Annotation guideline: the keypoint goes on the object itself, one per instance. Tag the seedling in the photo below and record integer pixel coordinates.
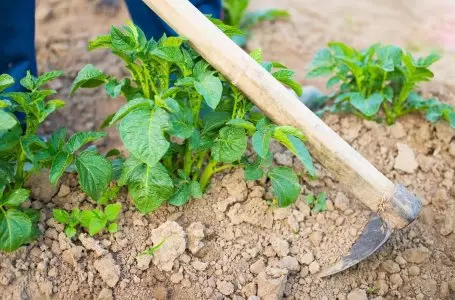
(23, 152)
(317, 203)
(235, 15)
(152, 250)
(94, 220)
(184, 122)
(378, 83)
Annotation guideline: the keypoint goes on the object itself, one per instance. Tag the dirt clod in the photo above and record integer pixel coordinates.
(173, 246)
(405, 160)
(357, 294)
(108, 270)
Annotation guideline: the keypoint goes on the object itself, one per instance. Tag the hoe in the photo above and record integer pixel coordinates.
(393, 206)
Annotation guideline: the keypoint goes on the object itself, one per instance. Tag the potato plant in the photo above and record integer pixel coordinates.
(235, 15)
(23, 152)
(183, 122)
(378, 83)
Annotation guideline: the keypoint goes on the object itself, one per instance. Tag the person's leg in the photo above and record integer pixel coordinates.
(17, 34)
(154, 27)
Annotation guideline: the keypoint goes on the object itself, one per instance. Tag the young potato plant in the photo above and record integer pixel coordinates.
(235, 15)
(94, 220)
(183, 122)
(23, 152)
(378, 83)
(317, 203)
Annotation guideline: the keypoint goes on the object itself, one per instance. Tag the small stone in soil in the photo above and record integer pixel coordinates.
(307, 258)
(257, 267)
(105, 294)
(195, 234)
(290, 263)
(270, 288)
(316, 238)
(416, 255)
(314, 267)
(341, 202)
(414, 271)
(405, 160)
(357, 294)
(390, 266)
(280, 246)
(108, 269)
(225, 287)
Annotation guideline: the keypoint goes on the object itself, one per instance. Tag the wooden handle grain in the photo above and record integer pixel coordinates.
(279, 104)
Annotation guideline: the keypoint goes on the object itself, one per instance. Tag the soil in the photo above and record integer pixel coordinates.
(231, 244)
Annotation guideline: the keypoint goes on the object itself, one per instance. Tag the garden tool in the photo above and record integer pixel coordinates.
(393, 205)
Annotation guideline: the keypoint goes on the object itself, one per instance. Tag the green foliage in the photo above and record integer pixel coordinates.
(378, 83)
(152, 250)
(23, 152)
(94, 220)
(235, 15)
(317, 203)
(183, 122)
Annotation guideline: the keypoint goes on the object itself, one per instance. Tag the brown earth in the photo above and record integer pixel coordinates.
(232, 244)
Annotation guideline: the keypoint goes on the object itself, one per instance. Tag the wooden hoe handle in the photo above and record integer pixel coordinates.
(392, 202)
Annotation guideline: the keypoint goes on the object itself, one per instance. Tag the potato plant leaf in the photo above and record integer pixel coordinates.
(88, 77)
(285, 185)
(210, 88)
(142, 134)
(95, 173)
(230, 144)
(15, 229)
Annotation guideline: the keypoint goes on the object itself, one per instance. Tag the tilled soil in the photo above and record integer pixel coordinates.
(232, 244)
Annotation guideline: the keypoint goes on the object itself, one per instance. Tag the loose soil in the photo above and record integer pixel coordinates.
(231, 244)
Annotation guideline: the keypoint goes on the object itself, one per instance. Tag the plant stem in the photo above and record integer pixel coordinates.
(187, 160)
(199, 163)
(207, 174)
(222, 168)
(167, 161)
(20, 170)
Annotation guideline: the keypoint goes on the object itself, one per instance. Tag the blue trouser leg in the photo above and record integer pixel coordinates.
(154, 27)
(17, 34)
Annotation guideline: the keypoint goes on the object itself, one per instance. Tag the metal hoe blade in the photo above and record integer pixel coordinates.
(374, 235)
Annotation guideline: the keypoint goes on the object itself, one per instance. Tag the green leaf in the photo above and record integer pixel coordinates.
(195, 189)
(86, 217)
(243, 124)
(112, 211)
(142, 134)
(114, 87)
(101, 41)
(257, 55)
(286, 77)
(61, 216)
(48, 76)
(181, 196)
(96, 225)
(28, 81)
(235, 11)
(320, 203)
(452, 119)
(182, 124)
(88, 77)
(61, 161)
(148, 186)
(153, 249)
(433, 114)
(112, 228)
(7, 120)
(368, 107)
(57, 139)
(130, 106)
(70, 232)
(252, 172)
(300, 150)
(210, 88)
(215, 120)
(261, 141)
(230, 144)
(15, 229)
(9, 140)
(122, 41)
(5, 82)
(285, 185)
(95, 173)
(16, 198)
(79, 139)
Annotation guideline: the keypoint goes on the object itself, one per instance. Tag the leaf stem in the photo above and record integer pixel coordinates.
(207, 174)
(187, 160)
